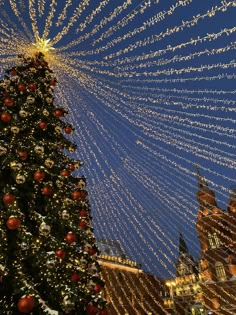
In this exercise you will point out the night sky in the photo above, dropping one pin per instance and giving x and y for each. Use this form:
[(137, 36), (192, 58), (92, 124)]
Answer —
[(150, 87)]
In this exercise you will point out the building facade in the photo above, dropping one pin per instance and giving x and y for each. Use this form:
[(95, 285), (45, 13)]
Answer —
[(217, 235)]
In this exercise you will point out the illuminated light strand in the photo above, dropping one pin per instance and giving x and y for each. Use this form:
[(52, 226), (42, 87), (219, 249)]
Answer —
[(123, 71), (196, 99), (160, 98), (154, 20), (190, 122), (135, 223), (22, 22), (90, 18), (176, 58), (172, 71), (32, 14), (50, 15), (92, 129), (41, 7), (123, 22), (63, 14), (76, 14), (182, 91), (155, 38), (181, 80), (198, 151), (169, 202), (169, 48), (96, 28), (180, 167)]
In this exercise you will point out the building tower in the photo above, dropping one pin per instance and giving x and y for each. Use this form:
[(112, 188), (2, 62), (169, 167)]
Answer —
[(216, 232)]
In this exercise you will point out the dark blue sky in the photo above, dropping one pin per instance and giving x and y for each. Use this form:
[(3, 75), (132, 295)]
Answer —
[(151, 90)]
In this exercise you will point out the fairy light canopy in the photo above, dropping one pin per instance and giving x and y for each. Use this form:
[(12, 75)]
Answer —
[(150, 87)]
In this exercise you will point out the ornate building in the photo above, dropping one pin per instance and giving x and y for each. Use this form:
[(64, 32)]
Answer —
[(129, 290), (217, 235), (208, 287), (184, 289)]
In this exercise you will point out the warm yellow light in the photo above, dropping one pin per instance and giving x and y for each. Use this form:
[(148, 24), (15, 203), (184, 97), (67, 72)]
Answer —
[(43, 45)]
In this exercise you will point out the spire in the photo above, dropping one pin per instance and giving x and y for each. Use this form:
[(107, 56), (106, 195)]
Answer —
[(202, 184), (205, 196), (183, 248)]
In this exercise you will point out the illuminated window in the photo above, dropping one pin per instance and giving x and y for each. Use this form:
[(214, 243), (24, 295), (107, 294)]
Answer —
[(214, 240), (220, 271)]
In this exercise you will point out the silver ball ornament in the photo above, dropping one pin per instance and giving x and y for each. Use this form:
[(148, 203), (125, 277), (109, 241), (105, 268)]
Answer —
[(30, 99), (20, 179), (58, 129), (65, 215), (44, 229), (23, 113), (15, 129), (15, 166), (39, 149), (45, 112), (3, 150), (49, 163), (67, 304)]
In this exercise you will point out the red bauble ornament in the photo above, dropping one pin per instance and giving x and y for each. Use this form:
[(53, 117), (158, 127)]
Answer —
[(91, 309), (47, 190), (71, 167), (43, 125), (82, 224), (21, 87), (36, 63), (26, 304), (60, 254), (91, 251), (39, 176), (8, 199), (83, 213), (103, 312), (83, 194), (52, 82), (75, 277), (75, 195), (23, 155), (8, 101), (13, 72), (32, 86), (70, 237), (67, 130), (59, 113), (6, 117), (13, 223), (60, 146), (43, 64), (97, 288), (65, 173)]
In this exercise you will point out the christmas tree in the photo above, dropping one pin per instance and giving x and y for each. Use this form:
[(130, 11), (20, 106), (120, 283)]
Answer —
[(48, 255)]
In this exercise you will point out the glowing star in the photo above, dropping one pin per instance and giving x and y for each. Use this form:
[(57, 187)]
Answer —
[(43, 45)]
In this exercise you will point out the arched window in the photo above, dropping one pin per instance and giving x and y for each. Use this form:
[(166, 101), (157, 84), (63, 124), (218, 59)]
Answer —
[(220, 271), (214, 240)]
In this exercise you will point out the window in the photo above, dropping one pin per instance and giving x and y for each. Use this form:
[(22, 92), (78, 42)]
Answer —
[(220, 271), (214, 240)]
